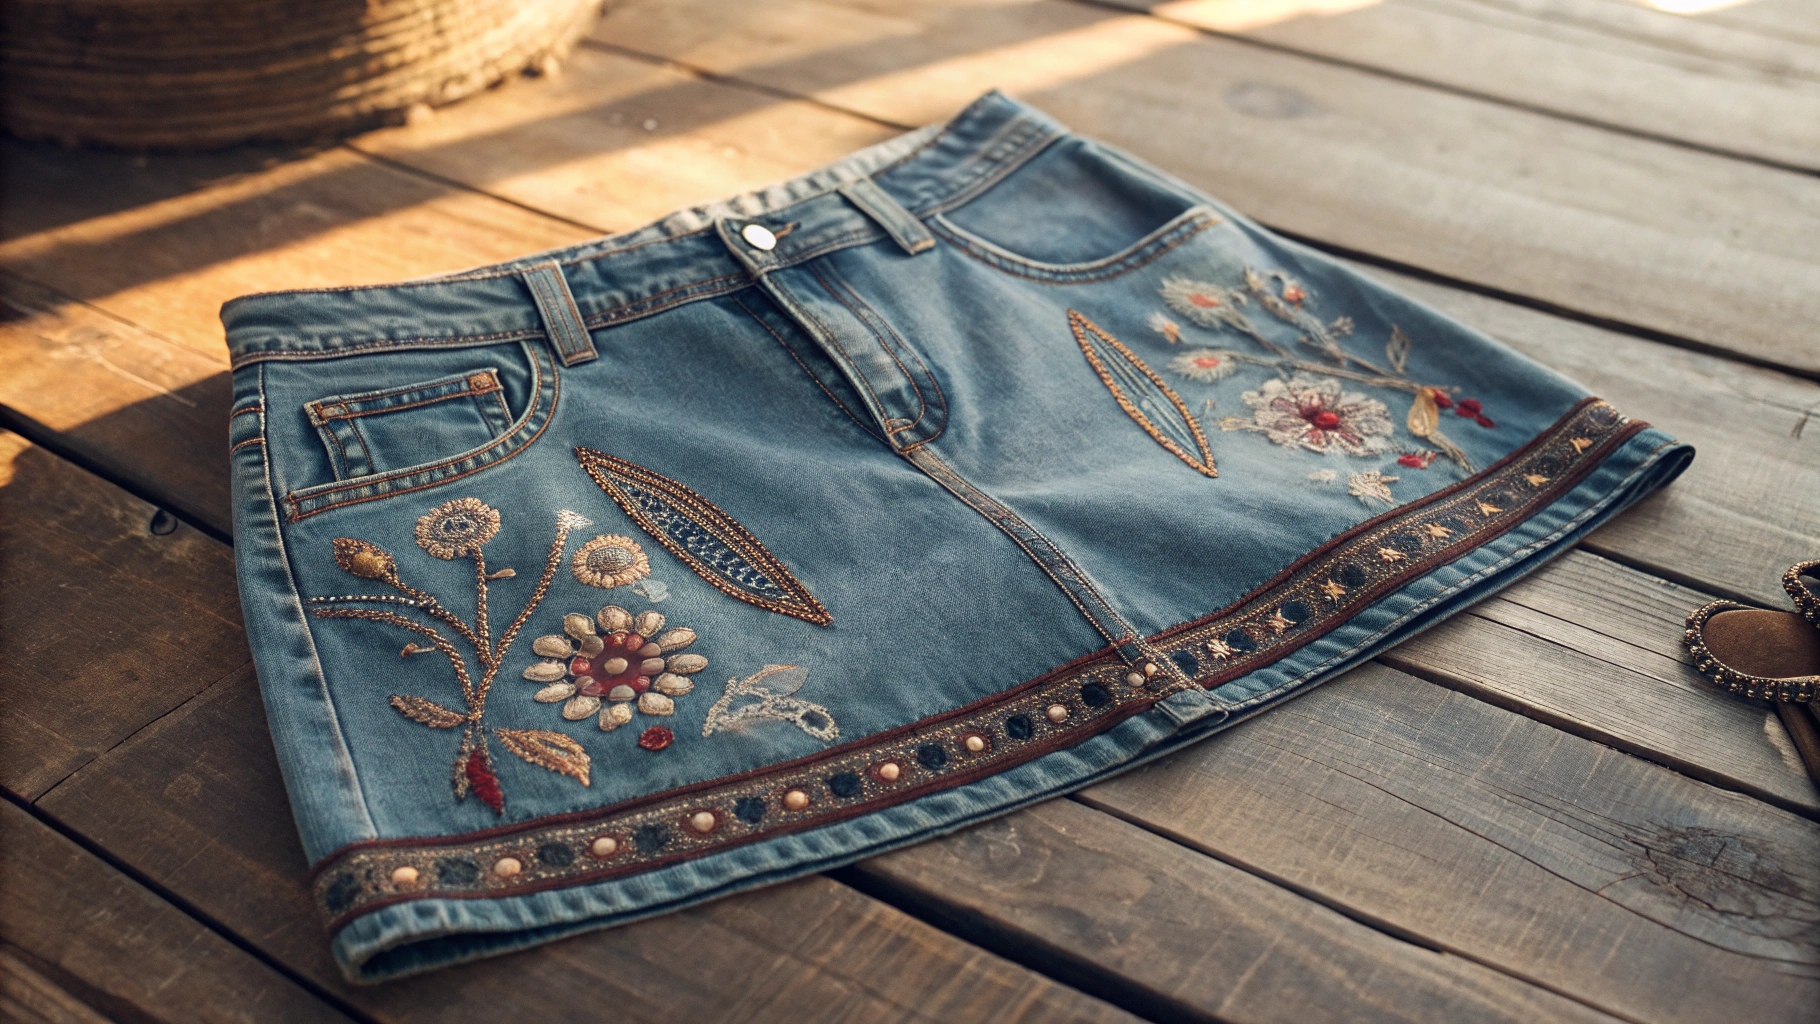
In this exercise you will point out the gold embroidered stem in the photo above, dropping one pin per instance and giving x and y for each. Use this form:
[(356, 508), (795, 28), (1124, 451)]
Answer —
[(434, 608), (441, 642), (488, 657), (565, 521)]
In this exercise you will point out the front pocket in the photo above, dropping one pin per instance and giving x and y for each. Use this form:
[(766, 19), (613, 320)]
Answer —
[(395, 428)]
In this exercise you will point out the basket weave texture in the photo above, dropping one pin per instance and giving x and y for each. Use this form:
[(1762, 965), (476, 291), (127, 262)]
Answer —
[(203, 73)]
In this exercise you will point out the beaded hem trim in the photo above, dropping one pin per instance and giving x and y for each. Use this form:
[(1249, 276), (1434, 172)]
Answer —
[(1058, 710), (1799, 689)]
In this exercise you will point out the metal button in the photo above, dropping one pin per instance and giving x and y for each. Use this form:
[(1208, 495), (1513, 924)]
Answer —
[(758, 237)]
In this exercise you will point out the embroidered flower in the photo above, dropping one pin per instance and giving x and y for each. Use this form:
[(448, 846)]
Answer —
[(1204, 302), (628, 663), (1371, 486), (609, 561), (1314, 413), (367, 561), (1169, 329), (457, 528), (1206, 365)]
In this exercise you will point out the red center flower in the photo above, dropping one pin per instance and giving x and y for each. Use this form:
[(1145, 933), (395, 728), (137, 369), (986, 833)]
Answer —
[(1206, 362), (1203, 300), (1325, 419), (620, 663)]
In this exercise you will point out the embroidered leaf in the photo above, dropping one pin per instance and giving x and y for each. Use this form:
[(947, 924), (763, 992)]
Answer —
[(1150, 402), (1397, 348), (546, 749), (773, 686), (704, 538), (428, 712), (1424, 414)]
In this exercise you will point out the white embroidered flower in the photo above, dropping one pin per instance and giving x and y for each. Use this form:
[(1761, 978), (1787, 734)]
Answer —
[(1314, 413), (1205, 303), (1206, 365), (629, 662), (1371, 486)]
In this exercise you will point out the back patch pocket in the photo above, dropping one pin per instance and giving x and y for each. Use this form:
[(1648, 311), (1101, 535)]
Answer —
[(401, 427)]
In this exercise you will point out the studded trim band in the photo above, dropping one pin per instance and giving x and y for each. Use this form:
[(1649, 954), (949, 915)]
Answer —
[(1062, 708)]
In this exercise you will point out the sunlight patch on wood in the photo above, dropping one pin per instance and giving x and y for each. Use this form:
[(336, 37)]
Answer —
[(1241, 15)]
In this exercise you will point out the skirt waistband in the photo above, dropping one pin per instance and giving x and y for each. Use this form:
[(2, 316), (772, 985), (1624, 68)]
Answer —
[(689, 255)]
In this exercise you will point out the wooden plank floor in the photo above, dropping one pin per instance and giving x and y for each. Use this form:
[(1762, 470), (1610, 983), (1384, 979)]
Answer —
[(1536, 812)]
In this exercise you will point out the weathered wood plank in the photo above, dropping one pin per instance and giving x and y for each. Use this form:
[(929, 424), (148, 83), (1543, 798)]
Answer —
[(29, 996), (1184, 936), (1611, 880), (1744, 510), (1707, 248), (134, 385), (335, 218), (1594, 647), (134, 956), (1643, 70), (616, 142), (195, 803), (110, 616)]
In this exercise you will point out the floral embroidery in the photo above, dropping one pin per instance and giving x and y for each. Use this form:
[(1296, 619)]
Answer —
[(1371, 486), (1206, 365), (628, 662), (609, 561), (1150, 403), (1017, 726), (774, 687), (1169, 329), (1416, 460), (710, 542), (461, 529), (1314, 413), (1214, 306)]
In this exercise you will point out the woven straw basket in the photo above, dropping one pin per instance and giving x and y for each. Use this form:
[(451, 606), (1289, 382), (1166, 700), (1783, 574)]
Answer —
[(203, 73)]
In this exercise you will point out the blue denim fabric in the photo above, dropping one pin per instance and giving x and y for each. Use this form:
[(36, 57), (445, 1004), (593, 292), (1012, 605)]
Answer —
[(990, 454)]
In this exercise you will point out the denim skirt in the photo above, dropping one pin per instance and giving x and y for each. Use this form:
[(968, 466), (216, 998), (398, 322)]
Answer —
[(976, 467)]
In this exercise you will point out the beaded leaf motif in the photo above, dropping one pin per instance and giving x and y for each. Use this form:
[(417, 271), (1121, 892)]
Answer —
[(707, 540), (1150, 402)]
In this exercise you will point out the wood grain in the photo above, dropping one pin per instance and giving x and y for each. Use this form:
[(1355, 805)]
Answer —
[(1666, 75), (1183, 936), (131, 955), (1744, 510), (1595, 648), (616, 143), (1692, 244), (195, 803), (334, 218), (1616, 882), (110, 616)]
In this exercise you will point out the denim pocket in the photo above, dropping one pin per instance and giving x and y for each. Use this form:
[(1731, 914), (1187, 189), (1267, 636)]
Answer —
[(1074, 211), (393, 428)]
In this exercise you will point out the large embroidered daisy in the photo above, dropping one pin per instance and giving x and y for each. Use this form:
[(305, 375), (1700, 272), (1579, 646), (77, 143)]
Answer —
[(457, 528), (1314, 413), (629, 662)]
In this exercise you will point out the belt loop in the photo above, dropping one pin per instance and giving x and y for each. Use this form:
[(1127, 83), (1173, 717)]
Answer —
[(876, 203), (561, 319)]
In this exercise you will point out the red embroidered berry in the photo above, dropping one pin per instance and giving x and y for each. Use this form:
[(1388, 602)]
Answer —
[(1485, 421), (484, 783), (1470, 406), (1412, 461), (1442, 400), (1203, 300), (656, 738), (1293, 293), (1326, 419)]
